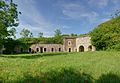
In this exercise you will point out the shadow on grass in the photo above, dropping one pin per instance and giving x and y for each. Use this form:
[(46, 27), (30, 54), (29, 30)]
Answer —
[(64, 75), (108, 78), (32, 56), (57, 76)]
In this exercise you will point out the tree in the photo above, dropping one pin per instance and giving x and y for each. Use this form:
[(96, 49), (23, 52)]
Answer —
[(58, 36), (116, 13), (12, 32), (25, 33), (57, 32), (74, 35), (8, 18), (107, 35), (40, 34), (31, 34)]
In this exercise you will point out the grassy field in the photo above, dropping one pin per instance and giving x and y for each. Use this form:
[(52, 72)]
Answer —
[(85, 67)]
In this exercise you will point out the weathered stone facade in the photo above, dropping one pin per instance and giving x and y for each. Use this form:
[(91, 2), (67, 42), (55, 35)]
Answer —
[(71, 44)]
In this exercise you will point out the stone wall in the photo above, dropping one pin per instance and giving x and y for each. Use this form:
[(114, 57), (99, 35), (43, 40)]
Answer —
[(47, 47), (84, 42), (40, 48), (70, 44)]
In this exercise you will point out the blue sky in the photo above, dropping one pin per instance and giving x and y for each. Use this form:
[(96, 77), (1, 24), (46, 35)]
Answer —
[(70, 16)]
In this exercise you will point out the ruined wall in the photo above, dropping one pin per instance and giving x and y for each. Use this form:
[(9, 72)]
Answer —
[(85, 42), (41, 48), (70, 44), (47, 47)]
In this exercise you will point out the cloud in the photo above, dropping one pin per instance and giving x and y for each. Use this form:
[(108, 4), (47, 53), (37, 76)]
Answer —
[(76, 11), (99, 3), (116, 1), (32, 18)]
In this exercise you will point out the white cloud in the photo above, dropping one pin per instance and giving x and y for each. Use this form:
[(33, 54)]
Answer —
[(76, 11), (99, 3), (35, 20), (116, 1)]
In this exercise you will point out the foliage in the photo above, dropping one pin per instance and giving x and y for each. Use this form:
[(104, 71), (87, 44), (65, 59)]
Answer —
[(116, 13), (12, 32), (9, 45), (8, 19), (25, 33), (40, 34), (107, 35), (87, 67), (73, 35), (83, 35), (58, 36)]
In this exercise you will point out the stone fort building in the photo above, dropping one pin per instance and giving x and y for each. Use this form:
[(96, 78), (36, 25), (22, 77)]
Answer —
[(70, 44)]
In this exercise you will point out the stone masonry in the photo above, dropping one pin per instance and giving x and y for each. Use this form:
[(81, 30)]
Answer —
[(70, 44)]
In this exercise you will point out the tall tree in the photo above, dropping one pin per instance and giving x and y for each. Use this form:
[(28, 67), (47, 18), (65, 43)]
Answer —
[(8, 18), (58, 36), (31, 34), (40, 34), (12, 33), (25, 33), (73, 35), (57, 32)]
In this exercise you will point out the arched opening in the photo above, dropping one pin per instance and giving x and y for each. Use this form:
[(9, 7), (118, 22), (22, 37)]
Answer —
[(41, 49), (45, 49), (52, 49), (90, 48), (59, 49), (37, 49), (30, 50), (69, 49), (81, 49)]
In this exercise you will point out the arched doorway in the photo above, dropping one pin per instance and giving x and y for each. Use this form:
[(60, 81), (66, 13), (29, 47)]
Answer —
[(30, 50), (81, 49), (90, 48), (69, 49)]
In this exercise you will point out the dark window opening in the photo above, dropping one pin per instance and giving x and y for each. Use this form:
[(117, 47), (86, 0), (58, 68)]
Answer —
[(59, 49), (30, 50), (69, 49), (52, 49), (37, 49), (81, 49), (90, 48), (41, 50), (45, 49)]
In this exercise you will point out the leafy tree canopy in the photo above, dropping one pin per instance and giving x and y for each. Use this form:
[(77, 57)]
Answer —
[(8, 18), (107, 35)]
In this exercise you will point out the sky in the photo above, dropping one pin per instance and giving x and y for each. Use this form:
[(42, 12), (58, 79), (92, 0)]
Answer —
[(70, 16)]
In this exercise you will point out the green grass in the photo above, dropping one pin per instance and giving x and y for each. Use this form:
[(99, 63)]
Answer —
[(85, 67)]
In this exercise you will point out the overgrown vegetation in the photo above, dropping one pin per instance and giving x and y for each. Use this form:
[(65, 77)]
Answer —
[(107, 35), (87, 67)]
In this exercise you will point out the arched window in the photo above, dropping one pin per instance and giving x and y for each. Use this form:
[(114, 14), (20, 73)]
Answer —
[(69, 49), (37, 49), (30, 50), (90, 48), (45, 49), (81, 49), (59, 49), (52, 49)]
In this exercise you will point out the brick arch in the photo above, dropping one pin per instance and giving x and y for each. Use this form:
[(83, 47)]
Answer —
[(90, 48), (81, 48)]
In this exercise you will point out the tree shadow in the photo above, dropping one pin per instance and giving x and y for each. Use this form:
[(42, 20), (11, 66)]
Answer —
[(57, 76), (32, 56), (108, 78)]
